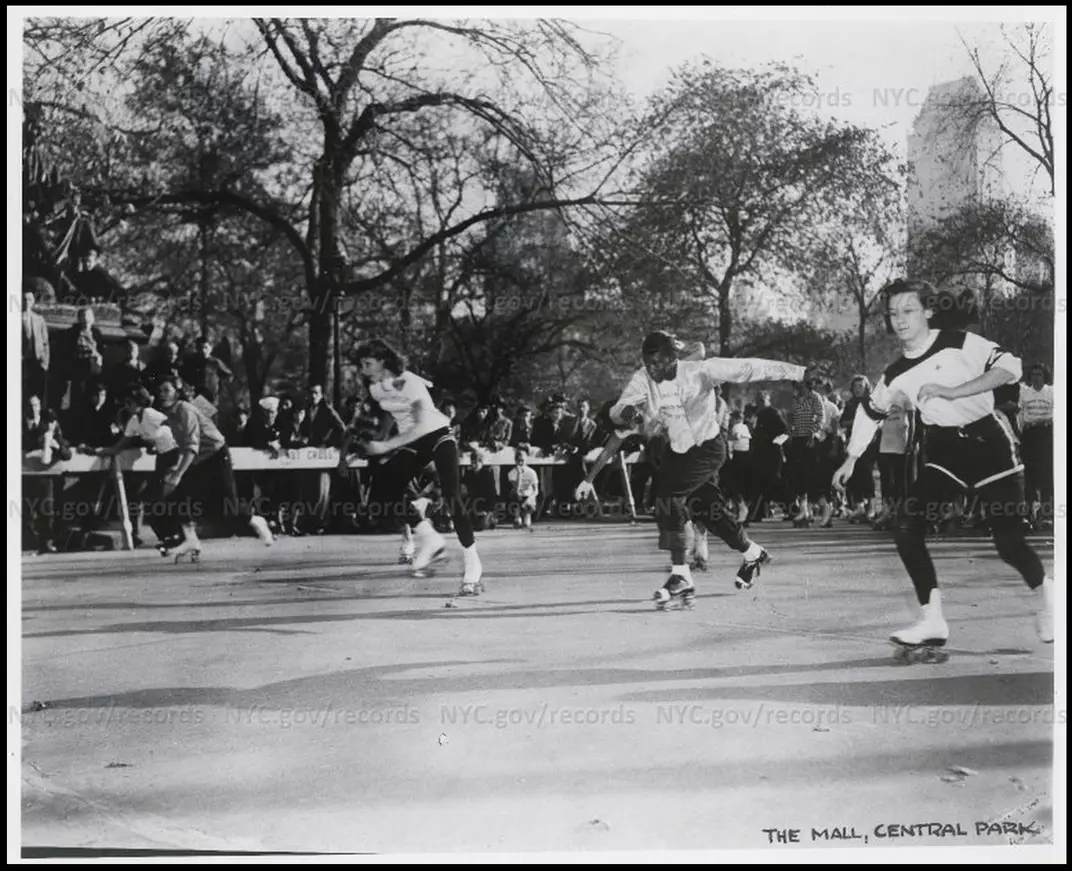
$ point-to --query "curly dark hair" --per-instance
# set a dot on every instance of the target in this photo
(378, 349)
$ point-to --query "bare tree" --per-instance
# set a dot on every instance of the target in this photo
(1018, 96)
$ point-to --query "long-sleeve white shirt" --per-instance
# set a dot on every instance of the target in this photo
(950, 358)
(688, 406)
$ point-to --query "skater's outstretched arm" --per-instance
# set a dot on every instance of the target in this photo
(743, 370)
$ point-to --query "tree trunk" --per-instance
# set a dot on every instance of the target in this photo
(862, 335)
(329, 262)
(725, 318)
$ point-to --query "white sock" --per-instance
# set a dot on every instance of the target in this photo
(753, 553)
(424, 529)
(683, 571)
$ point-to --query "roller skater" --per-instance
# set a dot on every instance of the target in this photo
(949, 375)
(682, 395)
(424, 436)
(201, 477)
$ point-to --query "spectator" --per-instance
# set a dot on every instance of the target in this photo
(734, 475)
(860, 490)
(36, 350)
(551, 435)
(125, 376)
(203, 372)
(94, 424)
(1036, 426)
(802, 456)
(41, 432)
(524, 490)
(450, 410)
(93, 283)
(289, 420)
(521, 431)
(164, 368)
(321, 427)
(475, 429)
(271, 493)
(768, 458)
(478, 484)
(83, 352)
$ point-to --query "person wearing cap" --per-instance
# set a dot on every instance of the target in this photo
(203, 473)
(682, 396)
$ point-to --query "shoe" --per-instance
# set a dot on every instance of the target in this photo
(931, 631)
(431, 548)
(190, 546)
(472, 577)
(260, 528)
(1044, 611)
(750, 569)
(675, 586)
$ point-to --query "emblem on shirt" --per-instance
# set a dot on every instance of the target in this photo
(398, 383)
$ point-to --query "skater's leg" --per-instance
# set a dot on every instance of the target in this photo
(446, 463)
(914, 516)
(1004, 503)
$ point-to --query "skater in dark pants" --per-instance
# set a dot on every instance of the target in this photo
(148, 427)
(203, 478)
(682, 396)
(949, 375)
(424, 436)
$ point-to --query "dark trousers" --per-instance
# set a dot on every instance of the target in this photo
(687, 490)
(439, 448)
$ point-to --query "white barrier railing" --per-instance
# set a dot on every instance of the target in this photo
(254, 460)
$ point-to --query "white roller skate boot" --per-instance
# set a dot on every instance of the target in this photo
(191, 546)
(924, 640)
(754, 559)
(431, 549)
(1044, 610)
(472, 578)
(260, 528)
(678, 586)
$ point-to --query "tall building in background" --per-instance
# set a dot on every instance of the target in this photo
(954, 157)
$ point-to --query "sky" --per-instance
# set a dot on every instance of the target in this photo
(874, 74)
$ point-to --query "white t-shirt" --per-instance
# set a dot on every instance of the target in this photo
(398, 396)
(740, 438)
(153, 428)
(949, 358)
(524, 480)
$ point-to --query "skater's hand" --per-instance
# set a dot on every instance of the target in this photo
(584, 490)
(170, 483)
(935, 391)
(844, 472)
(631, 415)
(375, 449)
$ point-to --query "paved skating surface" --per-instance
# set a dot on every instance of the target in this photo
(311, 696)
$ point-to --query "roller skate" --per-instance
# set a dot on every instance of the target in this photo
(431, 549)
(260, 528)
(1044, 611)
(925, 641)
(167, 545)
(750, 570)
(677, 587)
(407, 552)
(473, 576)
(191, 547)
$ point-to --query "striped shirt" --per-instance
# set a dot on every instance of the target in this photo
(1036, 406)
(808, 415)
